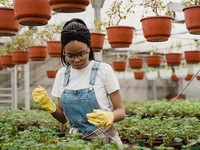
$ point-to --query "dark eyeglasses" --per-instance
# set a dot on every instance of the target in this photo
(80, 55)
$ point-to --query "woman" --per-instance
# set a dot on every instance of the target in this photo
(87, 90)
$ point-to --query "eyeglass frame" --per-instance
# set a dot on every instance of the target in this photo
(79, 55)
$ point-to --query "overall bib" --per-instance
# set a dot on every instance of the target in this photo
(77, 103)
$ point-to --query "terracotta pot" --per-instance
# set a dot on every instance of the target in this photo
(154, 60)
(54, 48)
(51, 73)
(119, 66)
(37, 53)
(135, 63)
(192, 57)
(6, 61)
(198, 77)
(157, 28)
(20, 57)
(192, 20)
(171, 96)
(68, 6)
(120, 36)
(8, 25)
(97, 41)
(173, 59)
(138, 75)
(32, 12)
(1, 67)
(188, 77)
(174, 78)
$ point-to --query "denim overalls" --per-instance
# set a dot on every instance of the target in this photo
(77, 103)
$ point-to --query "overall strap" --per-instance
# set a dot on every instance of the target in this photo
(66, 76)
(94, 72)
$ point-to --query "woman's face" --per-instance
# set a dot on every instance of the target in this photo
(77, 54)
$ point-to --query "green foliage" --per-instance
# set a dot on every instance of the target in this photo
(99, 25)
(119, 10)
(158, 7)
(7, 3)
(188, 3)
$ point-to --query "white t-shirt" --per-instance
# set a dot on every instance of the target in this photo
(106, 83)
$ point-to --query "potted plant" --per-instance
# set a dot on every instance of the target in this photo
(20, 43)
(120, 64)
(191, 14)
(139, 74)
(154, 60)
(38, 50)
(51, 35)
(97, 36)
(193, 56)
(119, 35)
(32, 12)
(68, 6)
(158, 25)
(135, 62)
(9, 26)
(174, 58)
(6, 57)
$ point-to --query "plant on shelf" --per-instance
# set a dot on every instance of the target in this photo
(98, 35)
(118, 35)
(191, 15)
(156, 27)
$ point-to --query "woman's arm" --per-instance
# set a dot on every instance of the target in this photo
(58, 114)
(118, 109)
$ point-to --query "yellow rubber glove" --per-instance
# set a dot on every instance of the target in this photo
(101, 118)
(41, 98)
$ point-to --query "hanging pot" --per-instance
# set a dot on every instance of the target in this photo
(192, 57)
(6, 61)
(192, 20)
(188, 77)
(173, 59)
(135, 63)
(138, 75)
(157, 28)
(51, 73)
(9, 26)
(20, 57)
(54, 48)
(120, 36)
(32, 12)
(68, 6)
(37, 53)
(174, 78)
(119, 66)
(97, 41)
(154, 60)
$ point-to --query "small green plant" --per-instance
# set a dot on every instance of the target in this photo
(119, 11)
(157, 7)
(99, 25)
(188, 3)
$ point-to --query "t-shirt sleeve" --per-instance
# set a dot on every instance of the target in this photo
(56, 92)
(110, 79)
